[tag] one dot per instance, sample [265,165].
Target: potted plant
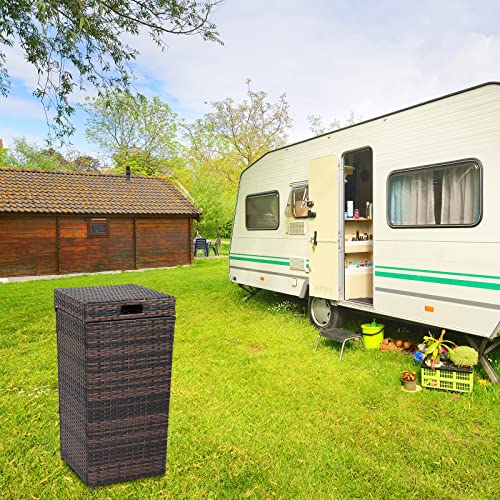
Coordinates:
[463,356]
[409,379]
[434,348]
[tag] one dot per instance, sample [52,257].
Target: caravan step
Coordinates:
[339,334]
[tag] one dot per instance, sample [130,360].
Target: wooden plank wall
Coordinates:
[79,253]
[28,246]
[163,242]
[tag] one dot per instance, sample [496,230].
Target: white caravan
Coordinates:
[398,216]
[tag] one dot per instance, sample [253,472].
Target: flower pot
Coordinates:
[437,363]
[410,385]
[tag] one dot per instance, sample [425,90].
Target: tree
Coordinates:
[209,171]
[133,130]
[74,44]
[212,194]
[216,200]
[207,150]
[24,154]
[253,127]
[317,126]
[142,163]
[86,163]
[220,145]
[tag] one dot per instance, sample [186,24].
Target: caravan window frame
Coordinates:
[428,167]
[290,205]
[255,195]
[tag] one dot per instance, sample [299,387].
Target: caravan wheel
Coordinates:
[320,312]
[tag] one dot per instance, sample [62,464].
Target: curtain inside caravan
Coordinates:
[460,195]
[440,195]
[412,199]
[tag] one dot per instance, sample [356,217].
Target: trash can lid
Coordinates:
[112,293]
[113,302]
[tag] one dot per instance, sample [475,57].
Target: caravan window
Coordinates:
[297,202]
[436,196]
[262,211]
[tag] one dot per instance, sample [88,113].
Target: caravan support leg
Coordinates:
[251,291]
[483,350]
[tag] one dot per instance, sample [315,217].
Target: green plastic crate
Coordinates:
[447,379]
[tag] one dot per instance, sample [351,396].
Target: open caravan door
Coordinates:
[323,238]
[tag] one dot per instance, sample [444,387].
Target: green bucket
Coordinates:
[373,335]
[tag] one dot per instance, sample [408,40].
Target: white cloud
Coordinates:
[78,95]
[18,107]
[331,57]
[8,134]
[19,68]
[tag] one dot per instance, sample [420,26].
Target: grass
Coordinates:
[255,412]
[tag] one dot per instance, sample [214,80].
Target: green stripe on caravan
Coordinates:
[467,275]
[442,281]
[262,259]
[258,256]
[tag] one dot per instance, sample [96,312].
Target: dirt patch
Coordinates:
[253,347]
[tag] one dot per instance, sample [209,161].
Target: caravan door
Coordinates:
[324,228]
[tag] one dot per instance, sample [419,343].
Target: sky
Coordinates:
[330,57]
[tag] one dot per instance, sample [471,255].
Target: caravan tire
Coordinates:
[320,312]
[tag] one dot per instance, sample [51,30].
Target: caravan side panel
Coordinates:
[271,259]
[455,272]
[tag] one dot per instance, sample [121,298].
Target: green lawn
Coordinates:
[255,412]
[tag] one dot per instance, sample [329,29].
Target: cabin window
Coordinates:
[262,211]
[297,202]
[98,228]
[436,196]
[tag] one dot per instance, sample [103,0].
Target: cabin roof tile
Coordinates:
[38,191]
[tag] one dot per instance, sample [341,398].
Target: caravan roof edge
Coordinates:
[413,106]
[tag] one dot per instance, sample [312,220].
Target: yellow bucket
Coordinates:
[373,335]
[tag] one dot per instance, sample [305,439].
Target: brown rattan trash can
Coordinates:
[114,348]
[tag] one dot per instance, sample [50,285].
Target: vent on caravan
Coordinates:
[296,228]
[297,264]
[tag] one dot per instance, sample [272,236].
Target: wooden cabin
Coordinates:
[59,223]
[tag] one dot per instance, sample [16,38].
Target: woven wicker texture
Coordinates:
[114,359]
[98,303]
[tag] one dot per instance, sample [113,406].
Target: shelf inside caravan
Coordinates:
[358,232]
[358,279]
[358,282]
[358,270]
[359,246]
